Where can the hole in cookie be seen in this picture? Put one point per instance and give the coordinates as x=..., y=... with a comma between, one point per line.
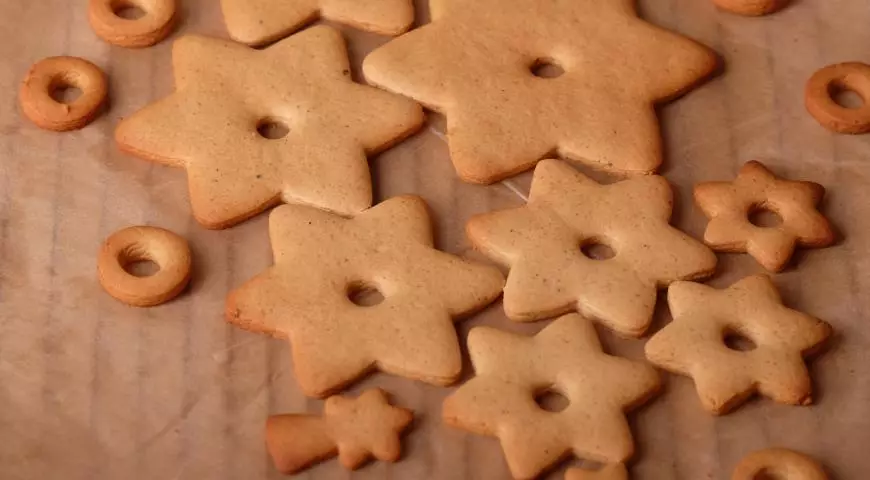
x=845, y=96
x=127, y=10
x=364, y=295
x=141, y=268
x=65, y=93
x=595, y=249
x=551, y=400
x=764, y=217
x=767, y=474
x=272, y=128
x=546, y=68
x=737, y=342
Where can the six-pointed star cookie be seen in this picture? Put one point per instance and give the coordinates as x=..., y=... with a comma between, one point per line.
x=565, y=357
x=355, y=429
x=607, y=472
x=706, y=320
x=258, y=22
x=475, y=63
x=322, y=260
x=729, y=205
x=225, y=92
x=543, y=244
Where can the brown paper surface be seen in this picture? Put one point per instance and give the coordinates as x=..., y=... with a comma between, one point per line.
x=90, y=388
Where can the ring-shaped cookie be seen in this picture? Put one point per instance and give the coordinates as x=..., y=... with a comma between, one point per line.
x=156, y=23
x=135, y=244
x=820, y=101
x=48, y=76
x=750, y=8
x=778, y=463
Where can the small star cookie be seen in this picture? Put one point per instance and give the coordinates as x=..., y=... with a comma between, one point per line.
x=565, y=357
x=607, y=472
x=355, y=429
x=544, y=241
x=258, y=22
x=229, y=103
x=322, y=261
x=696, y=343
x=729, y=205
x=483, y=64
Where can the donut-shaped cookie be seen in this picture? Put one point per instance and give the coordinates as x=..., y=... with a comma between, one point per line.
x=750, y=8
x=825, y=83
x=778, y=463
x=47, y=77
x=135, y=244
x=156, y=23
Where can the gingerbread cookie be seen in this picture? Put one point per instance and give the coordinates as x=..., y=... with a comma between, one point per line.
x=777, y=463
x=730, y=205
x=484, y=64
x=323, y=263
x=258, y=22
x=751, y=8
x=549, y=246
x=155, y=24
x=738, y=341
x=47, y=78
x=565, y=357
x=607, y=472
x=354, y=429
x=255, y=128
x=826, y=83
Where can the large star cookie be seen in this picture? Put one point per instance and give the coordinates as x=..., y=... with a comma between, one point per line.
x=478, y=63
x=322, y=263
x=218, y=125
x=548, y=246
x=729, y=206
x=258, y=22
x=566, y=357
x=704, y=342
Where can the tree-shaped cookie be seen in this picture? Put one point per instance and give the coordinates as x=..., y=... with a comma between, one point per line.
x=355, y=429
x=258, y=22
x=254, y=128
x=312, y=295
x=566, y=357
x=738, y=341
x=729, y=206
x=485, y=64
x=549, y=245
x=607, y=472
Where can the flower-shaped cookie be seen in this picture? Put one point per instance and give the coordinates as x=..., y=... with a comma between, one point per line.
x=484, y=64
x=729, y=205
x=546, y=245
x=698, y=343
x=565, y=357
x=322, y=263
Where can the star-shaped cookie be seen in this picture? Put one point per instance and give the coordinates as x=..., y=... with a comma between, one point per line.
x=770, y=362
x=356, y=429
x=258, y=22
x=565, y=357
x=607, y=472
x=729, y=205
x=323, y=260
x=543, y=244
x=226, y=94
x=478, y=63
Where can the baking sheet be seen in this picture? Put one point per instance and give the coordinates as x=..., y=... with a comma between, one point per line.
x=90, y=388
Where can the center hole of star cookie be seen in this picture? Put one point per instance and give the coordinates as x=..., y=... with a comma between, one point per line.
x=551, y=400
x=363, y=294
x=272, y=128
x=137, y=262
x=128, y=10
x=737, y=342
x=595, y=249
x=546, y=68
x=845, y=96
x=764, y=217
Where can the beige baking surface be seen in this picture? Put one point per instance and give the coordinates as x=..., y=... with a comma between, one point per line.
x=92, y=389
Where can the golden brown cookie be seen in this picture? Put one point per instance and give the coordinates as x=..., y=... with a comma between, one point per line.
x=730, y=205
x=737, y=342
x=775, y=463
x=324, y=264
x=826, y=83
x=751, y=8
x=565, y=357
x=125, y=247
x=549, y=245
x=484, y=64
x=259, y=22
x=607, y=472
x=355, y=429
x=255, y=128
x=155, y=24
x=47, y=78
